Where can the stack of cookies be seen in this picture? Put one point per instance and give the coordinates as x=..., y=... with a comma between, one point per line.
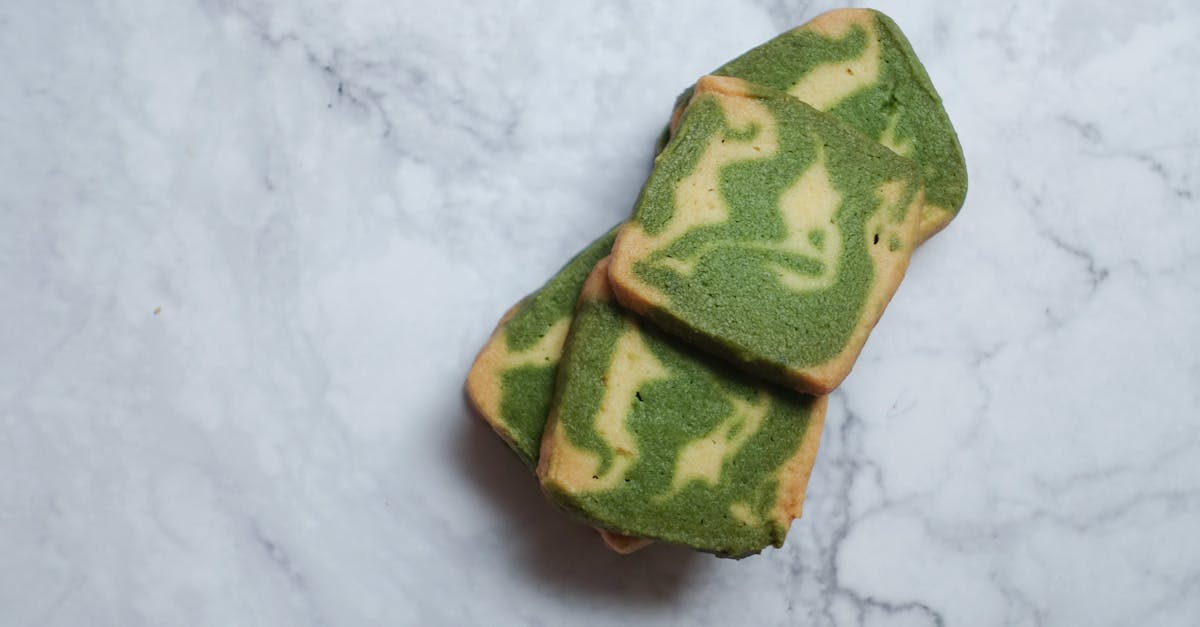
x=669, y=383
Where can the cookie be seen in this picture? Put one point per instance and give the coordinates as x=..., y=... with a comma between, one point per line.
x=651, y=438
x=770, y=234
x=856, y=65
x=511, y=382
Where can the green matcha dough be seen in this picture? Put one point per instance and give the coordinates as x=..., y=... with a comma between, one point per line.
x=512, y=380
x=769, y=234
x=650, y=438
x=856, y=65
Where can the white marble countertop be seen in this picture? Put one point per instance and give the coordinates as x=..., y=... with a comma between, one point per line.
x=248, y=250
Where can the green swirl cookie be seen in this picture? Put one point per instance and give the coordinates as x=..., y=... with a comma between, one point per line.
x=511, y=382
x=769, y=233
x=648, y=437
x=856, y=65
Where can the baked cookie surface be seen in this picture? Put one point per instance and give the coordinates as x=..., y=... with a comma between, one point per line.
x=856, y=65
x=770, y=234
x=511, y=382
x=651, y=438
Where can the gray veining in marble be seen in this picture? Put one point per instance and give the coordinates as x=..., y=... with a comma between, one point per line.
x=248, y=249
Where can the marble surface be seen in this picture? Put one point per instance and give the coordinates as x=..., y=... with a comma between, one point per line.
x=248, y=249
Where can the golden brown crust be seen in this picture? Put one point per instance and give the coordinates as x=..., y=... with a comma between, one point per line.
x=483, y=380
x=627, y=248
x=825, y=378
x=623, y=544
x=933, y=220
x=676, y=115
x=793, y=479
x=597, y=286
x=726, y=85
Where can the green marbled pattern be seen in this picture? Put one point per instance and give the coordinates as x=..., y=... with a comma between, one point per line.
x=527, y=389
x=732, y=301
x=697, y=399
x=901, y=107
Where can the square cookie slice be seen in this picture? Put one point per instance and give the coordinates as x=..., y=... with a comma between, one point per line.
x=856, y=65
x=651, y=438
x=770, y=234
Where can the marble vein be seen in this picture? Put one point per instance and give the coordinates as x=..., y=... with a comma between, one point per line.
x=249, y=248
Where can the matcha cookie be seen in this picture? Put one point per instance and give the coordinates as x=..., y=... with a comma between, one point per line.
x=651, y=438
x=512, y=380
x=856, y=65
x=769, y=233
